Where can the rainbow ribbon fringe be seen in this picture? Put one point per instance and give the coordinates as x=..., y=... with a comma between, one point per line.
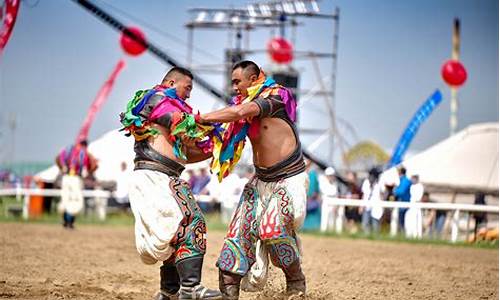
x=225, y=141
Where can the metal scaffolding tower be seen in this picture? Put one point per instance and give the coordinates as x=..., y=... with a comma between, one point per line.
x=275, y=16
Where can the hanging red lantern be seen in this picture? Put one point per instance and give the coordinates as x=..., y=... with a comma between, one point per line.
x=130, y=45
x=280, y=50
x=454, y=73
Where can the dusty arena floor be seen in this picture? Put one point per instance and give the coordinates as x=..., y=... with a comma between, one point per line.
x=47, y=262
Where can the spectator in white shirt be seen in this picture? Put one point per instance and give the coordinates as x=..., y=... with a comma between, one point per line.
x=413, y=217
x=121, y=193
x=372, y=195
x=328, y=185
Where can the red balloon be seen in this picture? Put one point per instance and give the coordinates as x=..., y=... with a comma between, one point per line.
x=280, y=50
x=131, y=46
x=454, y=73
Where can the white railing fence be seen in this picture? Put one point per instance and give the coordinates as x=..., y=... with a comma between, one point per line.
x=23, y=196
x=333, y=212
x=332, y=209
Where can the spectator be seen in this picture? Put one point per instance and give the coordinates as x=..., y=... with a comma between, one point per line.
x=121, y=193
x=200, y=188
x=402, y=193
x=313, y=190
x=480, y=217
x=435, y=218
x=353, y=192
x=75, y=163
x=313, y=215
x=328, y=185
x=229, y=191
x=329, y=188
x=413, y=216
x=192, y=178
x=372, y=195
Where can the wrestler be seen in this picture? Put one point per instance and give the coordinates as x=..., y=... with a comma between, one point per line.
x=272, y=206
x=169, y=225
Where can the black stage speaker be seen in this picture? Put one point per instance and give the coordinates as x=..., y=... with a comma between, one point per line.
x=288, y=78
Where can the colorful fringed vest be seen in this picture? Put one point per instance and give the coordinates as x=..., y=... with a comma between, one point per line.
x=74, y=159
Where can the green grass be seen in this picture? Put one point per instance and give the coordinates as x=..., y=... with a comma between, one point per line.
x=214, y=223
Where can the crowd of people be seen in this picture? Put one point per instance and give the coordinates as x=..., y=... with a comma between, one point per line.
x=412, y=221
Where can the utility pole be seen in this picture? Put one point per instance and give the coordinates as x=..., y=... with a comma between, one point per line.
x=455, y=54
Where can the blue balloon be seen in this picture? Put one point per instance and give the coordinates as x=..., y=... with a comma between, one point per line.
x=418, y=118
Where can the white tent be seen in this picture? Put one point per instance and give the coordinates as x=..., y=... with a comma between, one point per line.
x=465, y=162
x=111, y=150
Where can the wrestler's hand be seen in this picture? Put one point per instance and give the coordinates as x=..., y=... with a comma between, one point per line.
x=188, y=141
x=201, y=120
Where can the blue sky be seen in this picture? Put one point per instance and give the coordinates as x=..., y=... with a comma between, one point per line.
x=390, y=55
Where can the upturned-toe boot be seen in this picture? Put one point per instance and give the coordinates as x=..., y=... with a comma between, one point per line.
x=229, y=285
x=190, y=277
x=169, y=282
x=295, y=279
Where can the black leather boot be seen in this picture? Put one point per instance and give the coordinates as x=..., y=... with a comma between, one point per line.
x=169, y=282
x=190, y=277
x=229, y=285
x=295, y=279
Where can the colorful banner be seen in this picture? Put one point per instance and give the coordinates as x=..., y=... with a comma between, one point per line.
x=8, y=14
x=420, y=116
x=101, y=97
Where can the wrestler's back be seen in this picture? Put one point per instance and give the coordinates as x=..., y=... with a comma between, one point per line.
x=275, y=143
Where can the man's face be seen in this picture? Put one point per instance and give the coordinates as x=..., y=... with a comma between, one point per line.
x=241, y=81
x=183, y=86
x=425, y=198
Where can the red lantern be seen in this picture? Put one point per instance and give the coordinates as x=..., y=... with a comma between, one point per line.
x=454, y=73
x=131, y=46
x=280, y=50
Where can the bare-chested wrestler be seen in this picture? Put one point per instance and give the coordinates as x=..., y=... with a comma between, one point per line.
x=272, y=206
x=169, y=225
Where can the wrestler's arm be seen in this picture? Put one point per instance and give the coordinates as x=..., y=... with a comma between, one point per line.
x=194, y=154
x=230, y=114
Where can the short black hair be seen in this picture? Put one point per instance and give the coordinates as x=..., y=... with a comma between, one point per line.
x=84, y=143
x=177, y=70
x=248, y=66
x=374, y=172
x=402, y=170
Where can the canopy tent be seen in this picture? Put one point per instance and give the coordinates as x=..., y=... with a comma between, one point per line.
x=466, y=162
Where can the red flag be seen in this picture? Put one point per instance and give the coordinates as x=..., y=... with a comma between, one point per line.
x=102, y=96
x=8, y=18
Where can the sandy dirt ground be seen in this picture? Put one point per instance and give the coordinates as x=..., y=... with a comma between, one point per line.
x=92, y=262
